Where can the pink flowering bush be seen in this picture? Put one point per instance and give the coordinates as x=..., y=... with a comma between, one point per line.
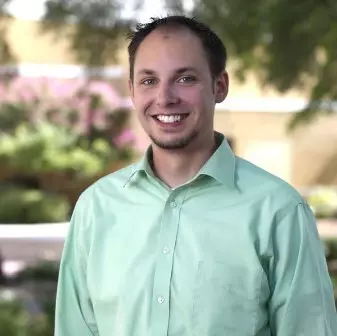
x=49, y=124
x=56, y=138
x=75, y=103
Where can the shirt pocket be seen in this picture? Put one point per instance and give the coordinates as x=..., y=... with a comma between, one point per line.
x=225, y=299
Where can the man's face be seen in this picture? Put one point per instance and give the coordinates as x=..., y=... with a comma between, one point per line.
x=173, y=90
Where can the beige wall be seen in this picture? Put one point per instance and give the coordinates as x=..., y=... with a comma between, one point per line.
x=31, y=44
x=302, y=157
x=315, y=153
x=259, y=138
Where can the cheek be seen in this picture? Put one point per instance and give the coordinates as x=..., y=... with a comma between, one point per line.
x=193, y=97
x=199, y=99
x=141, y=102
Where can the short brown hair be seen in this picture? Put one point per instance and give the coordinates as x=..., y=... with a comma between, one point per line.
x=212, y=44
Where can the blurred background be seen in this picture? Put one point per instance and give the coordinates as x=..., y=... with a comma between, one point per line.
x=66, y=119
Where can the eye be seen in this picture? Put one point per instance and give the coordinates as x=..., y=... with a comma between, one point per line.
x=186, y=79
x=148, y=81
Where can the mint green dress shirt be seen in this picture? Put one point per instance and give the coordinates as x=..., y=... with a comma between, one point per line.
x=233, y=252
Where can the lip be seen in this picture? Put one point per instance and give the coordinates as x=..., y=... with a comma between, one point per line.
x=168, y=114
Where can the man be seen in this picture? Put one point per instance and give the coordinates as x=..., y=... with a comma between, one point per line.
x=192, y=240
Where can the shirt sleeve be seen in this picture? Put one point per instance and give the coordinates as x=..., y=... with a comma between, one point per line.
x=73, y=312
x=302, y=300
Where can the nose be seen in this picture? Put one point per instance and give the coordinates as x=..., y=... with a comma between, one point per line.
x=166, y=95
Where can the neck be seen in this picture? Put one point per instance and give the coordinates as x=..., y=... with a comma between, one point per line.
x=176, y=167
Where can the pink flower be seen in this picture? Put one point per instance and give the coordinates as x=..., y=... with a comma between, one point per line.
x=27, y=95
x=125, y=138
x=2, y=92
x=60, y=88
x=69, y=102
x=106, y=92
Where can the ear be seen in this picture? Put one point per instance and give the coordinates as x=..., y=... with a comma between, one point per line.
x=221, y=87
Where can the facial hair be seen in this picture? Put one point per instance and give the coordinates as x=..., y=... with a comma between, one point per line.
x=176, y=143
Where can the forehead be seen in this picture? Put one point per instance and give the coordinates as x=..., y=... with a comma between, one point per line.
x=175, y=46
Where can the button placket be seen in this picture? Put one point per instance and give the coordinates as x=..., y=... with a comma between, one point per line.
x=164, y=264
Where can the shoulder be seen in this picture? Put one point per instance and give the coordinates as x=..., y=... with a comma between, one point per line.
x=255, y=182
x=106, y=186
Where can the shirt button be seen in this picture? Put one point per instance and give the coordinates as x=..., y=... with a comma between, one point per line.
x=173, y=204
x=166, y=250
x=161, y=299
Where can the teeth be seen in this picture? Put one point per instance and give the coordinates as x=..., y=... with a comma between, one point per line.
x=169, y=119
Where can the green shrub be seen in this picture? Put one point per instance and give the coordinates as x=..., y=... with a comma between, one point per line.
x=42, y=271
x=323, y=201
x=330, y=246
x=17, y=318
x=20, y=205
x=15, y=321
x=48, y=148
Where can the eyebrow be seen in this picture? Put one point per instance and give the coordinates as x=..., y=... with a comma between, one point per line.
x=186, y=69
x=146, y=72
x=178, y=71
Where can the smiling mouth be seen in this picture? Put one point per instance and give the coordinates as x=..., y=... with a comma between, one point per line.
x=170, y=118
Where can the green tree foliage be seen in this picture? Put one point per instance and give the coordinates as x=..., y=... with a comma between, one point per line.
x=97, y=31
x=287, y=44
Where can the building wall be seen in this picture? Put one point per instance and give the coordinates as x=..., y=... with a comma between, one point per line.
x=30, y=44
x=259, y=138
x=315, y=153
x=303, y=157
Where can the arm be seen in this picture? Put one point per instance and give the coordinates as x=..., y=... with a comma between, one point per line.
x=74, y=313
x=302, y=301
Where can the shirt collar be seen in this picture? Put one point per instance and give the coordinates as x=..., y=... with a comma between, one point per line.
x=220, y=166
x=143, y=165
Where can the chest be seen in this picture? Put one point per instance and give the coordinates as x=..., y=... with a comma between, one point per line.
x=165, y=259
x=184, y=241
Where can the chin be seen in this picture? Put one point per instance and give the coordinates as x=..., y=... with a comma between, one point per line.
x=176, y=143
